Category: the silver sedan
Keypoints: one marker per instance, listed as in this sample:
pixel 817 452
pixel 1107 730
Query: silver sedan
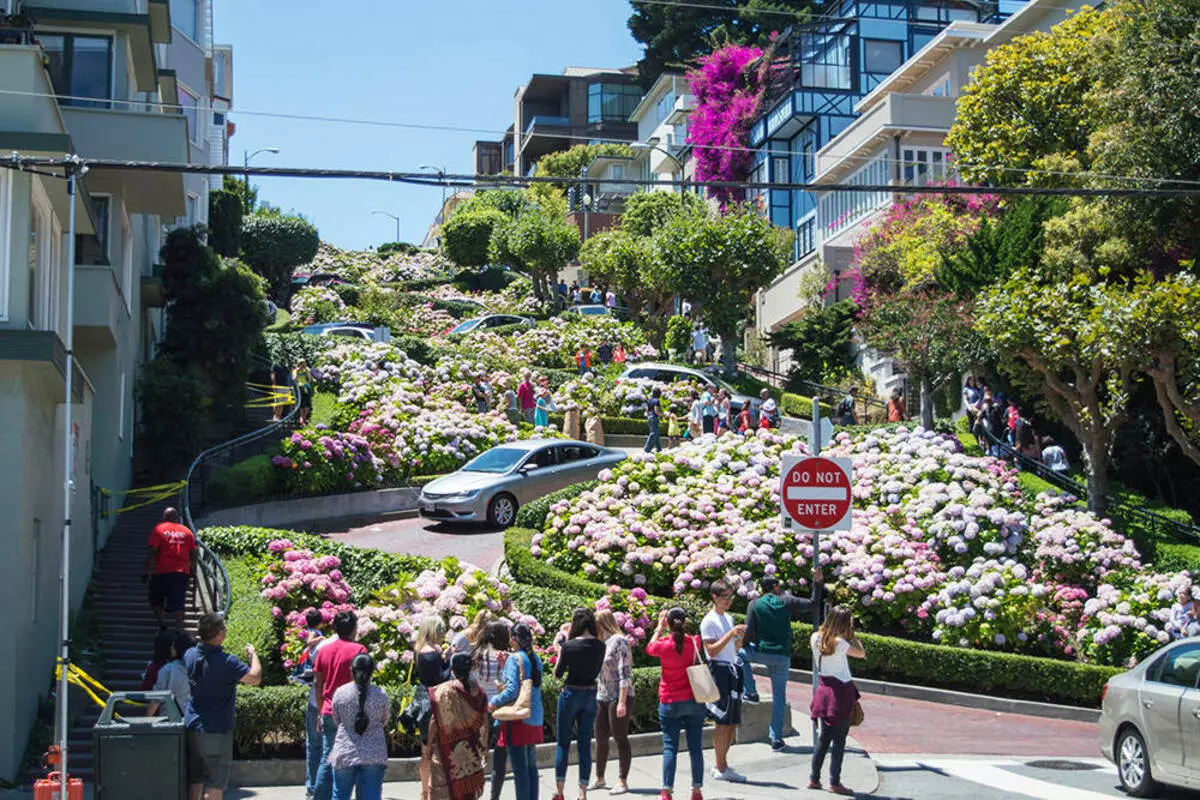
pixel 496 483
pixel 1150 720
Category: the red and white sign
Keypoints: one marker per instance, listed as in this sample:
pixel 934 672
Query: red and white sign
pixel 815 492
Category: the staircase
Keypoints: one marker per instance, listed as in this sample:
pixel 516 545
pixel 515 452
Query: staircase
pixel 127 625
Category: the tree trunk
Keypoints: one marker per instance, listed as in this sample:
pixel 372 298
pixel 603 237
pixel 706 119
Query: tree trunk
pixel 729 353
pixel 926 405
pixel 1095 460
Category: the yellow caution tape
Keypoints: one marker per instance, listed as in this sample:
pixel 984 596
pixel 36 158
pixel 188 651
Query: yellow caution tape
pixel 151 495
pixel 271 396
pixel 88 684
pixel 141 490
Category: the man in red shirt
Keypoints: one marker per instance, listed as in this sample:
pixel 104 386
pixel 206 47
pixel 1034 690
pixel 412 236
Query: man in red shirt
pixel 331 671
pixel 170 563
pixel 525 397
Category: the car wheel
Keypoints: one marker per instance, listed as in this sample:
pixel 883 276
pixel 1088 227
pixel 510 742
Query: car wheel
pixel 502 511
pixel 1133 764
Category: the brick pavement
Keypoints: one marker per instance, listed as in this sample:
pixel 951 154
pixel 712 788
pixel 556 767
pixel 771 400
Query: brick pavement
pixel 474 544
pixel 898 725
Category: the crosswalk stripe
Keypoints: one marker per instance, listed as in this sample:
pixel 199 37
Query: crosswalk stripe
pixel 992 774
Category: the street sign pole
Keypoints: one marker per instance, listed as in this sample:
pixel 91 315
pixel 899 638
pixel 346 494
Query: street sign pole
pixel 818 600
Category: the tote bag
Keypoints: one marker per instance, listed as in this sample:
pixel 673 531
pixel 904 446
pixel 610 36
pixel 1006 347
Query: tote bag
pixel 704 688
pixel 522 707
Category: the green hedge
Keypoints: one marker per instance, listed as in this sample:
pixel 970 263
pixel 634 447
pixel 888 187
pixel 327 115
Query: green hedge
pixel 250 620
pixel 793 405
pixel 289 348
pixel 271 719
pixel 533 514
pixel 940 424
pixel 245 482
pixel 528 569
pixel 366 570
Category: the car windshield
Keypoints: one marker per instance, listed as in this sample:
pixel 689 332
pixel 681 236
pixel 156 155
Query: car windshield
pixel 497 460
pixel 466 326
pixel 594 310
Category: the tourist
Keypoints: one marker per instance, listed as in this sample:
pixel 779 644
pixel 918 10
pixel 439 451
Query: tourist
pixel 525 397
pixel 708 410
pixel 768 411
pixel 895 406
pixel 619 354
pixel 583 360
pixel 173 677
pixel 614 698
pixel 487 671
pixel 452 764
pixel 982 427
pixel 471 637
pixel 431 663
pixel 654 420
pixel 700 343
pixel 314 737
pixel 726 416
pixel 302 377
pixel 610 299
pixel 161 656
pixel 1181 613
pixel 279 386
pixel 545 404
pixel 170 564
pixel 722 638
pixel 972 397
pixel 1053 456
pixel 1027 443
pixel 1193 626
pixel 481 393
pixel 520 738
pixel 331 671
pixel 677 706
pixel 745 420
pixel 562 287
pixel 835 696
pixel 576 295
pixel 512 406
pixel 597 296
pixel 605 353
pixel 1013 420
pixel 208 720
pixel 695 417
pixel 768 641
pixel 845 409
pixel 359 756
pixel 578 664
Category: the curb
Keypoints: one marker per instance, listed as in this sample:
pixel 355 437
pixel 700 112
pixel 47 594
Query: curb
pixel 950 697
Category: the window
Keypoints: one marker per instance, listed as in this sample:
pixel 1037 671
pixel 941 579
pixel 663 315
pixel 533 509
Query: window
pixel 941 88
pixel 574 452
pixel 38 259
pixel 610 102
pixel 541 459
pixel 193 209
pixel 663 109
pixel 190 103
pixel 185 16
pixel 825 61
pixel 922 166
pixel 840 210
pixel 1179 667
pixel 80 68
pixel 881 56
pixel 92 249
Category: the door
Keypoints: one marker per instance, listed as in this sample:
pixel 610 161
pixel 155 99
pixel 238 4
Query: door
pixel 538 475
pixel 1189 726
pixel 1161 698
pixel 577 463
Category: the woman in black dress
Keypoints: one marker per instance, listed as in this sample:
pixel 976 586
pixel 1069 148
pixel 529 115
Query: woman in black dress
pixel 431 661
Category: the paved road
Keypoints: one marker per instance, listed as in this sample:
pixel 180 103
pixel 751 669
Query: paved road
pixel 474 544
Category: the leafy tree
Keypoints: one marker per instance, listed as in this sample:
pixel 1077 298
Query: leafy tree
pixel 536 243
pixel 1169 313
pixel 215 314
pixel 679 335
pixel 172 401
pixel 249 195
pixel 467 235
pixel 819 341
pixel 274 244
pixel 647 212
pixel 723 259
pixel 674 37
pixel 569 163
pixel 403 248
pixel 225 222
pixel 1029 100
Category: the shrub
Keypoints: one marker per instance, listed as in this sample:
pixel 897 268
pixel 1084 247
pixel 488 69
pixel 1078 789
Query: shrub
pixel 289 348
pixel 793 405
pixel 491 279
pixel 172 403
pixel 273 245
pixel 249 620
pixel 679 335
pixel 533 571
pixel 418 348
pixel 249 481
pixel 533 514
pixel 225 222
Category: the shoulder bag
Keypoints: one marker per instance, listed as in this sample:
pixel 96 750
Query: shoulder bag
pixel 704 688
pixel 522 707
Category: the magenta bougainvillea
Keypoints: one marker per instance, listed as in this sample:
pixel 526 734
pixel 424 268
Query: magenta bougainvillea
pixel 728 87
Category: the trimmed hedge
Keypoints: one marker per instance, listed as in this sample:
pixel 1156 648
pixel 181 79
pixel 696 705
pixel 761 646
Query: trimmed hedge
pixel 245 482
pixel 534 513
pixel 250 620
pixel 288 348
pixel 793 405
pixel 366 570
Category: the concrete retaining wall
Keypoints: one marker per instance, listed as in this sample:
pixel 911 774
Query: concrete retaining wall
pixel 299 512
pixel 756 717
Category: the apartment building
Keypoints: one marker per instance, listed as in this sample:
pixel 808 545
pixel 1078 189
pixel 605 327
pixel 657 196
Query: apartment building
pixel 112 79
pixel 661 118
pixel 895 136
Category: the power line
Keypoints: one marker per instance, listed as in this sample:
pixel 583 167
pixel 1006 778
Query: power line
pixel 16 161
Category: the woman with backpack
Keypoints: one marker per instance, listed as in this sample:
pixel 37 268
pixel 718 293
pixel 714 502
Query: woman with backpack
pixel 520 737
pixel 359 755
pixel 677 706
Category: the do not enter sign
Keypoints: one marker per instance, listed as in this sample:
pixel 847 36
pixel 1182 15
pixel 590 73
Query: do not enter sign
pixel 815 492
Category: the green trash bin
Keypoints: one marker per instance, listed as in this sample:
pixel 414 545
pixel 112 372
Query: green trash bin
pixel 139 757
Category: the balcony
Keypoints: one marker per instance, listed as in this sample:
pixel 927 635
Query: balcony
pixel 895 113
pixel 546 121
pixel 685 104
pixel 142 30
pixel 152 291
pixel 99 307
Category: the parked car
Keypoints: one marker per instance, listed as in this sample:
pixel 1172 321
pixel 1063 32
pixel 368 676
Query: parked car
pixel 1150 720
pixel 493 485
pixel 669 373
pixel 490 321
pixel 351 330
pixel 620 312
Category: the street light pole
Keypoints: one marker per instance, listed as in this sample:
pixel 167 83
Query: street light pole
pixel 663 150
pixel 441 173
pixel 246 173
pixel 393 216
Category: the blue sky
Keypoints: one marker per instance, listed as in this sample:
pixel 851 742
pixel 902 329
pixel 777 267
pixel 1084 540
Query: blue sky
pixel 438 62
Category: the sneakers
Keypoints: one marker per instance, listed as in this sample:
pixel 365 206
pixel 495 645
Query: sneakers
pixel 729 774
pixel 778 745
pixel 664 795
pixel 816 785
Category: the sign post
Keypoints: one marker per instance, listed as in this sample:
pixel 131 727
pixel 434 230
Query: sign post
pixel 814 495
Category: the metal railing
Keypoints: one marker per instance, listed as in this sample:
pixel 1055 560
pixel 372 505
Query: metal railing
pixel 830 394
pixel 212 581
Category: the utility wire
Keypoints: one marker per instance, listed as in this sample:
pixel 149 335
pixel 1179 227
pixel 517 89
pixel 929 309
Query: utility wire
pixel 17 161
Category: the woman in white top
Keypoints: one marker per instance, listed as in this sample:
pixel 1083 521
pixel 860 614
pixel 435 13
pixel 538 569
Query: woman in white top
pixel 835 697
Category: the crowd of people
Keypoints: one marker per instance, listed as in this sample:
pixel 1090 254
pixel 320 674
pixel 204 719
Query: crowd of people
pixel 595 295
pixel 708 412
pixel 996 418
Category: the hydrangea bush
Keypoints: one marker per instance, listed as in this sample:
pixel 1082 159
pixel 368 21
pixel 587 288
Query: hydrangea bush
pixel 316 304
pixel 296 581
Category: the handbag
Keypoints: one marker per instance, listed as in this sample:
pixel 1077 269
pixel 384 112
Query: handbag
pixel 704 688
pixel 522 707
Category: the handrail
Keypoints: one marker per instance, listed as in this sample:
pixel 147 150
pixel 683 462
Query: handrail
pixel 212 580
pixel 867 402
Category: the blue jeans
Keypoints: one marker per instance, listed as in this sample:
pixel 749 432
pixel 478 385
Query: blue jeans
pixel 365 780
pixel 324 787
pixel 654 440
pixel 689 715
pixel 524 767
pixel 312 746
pixel 777 665
pixel 575 707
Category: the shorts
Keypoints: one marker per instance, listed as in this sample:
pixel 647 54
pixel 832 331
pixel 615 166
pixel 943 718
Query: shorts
pixel 169 589
pixel 728 708
pixel 209 757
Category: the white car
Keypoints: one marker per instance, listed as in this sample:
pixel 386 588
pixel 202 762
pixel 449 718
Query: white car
pixel 1150 720
pixel 490 321
pixel 669 373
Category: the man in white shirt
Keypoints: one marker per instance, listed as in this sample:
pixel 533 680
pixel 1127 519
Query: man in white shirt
pixel 721 641
pixel 700 344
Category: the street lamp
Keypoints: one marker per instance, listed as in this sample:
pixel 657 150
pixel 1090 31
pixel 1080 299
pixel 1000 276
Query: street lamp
pixel 393 216
pixel 441 173
pixel 663 150
pixel 246 172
